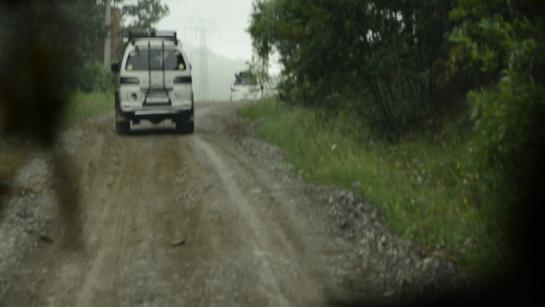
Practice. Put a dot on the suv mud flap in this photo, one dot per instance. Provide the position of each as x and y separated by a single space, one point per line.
120 115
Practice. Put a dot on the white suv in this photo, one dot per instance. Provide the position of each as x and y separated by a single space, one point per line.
155 83
245 87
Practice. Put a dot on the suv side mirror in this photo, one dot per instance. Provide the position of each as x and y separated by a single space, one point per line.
115 68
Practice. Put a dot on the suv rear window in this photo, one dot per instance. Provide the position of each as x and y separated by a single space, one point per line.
139 58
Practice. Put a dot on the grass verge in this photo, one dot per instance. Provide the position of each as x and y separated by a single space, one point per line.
83 106
424 187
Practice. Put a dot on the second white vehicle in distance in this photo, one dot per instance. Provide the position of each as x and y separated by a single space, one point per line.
245 87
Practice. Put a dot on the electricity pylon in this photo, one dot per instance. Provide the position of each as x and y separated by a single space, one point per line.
202 28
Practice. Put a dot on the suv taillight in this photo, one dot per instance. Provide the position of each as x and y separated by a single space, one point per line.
179 80
129 80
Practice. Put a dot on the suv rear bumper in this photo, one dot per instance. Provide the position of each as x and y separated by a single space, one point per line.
122 116
153 113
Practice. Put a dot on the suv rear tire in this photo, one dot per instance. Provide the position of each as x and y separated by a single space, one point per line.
189 127
185 122
183 125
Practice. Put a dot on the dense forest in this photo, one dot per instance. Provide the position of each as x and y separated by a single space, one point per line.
406 69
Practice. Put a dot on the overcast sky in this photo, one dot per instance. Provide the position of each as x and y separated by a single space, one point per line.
227 20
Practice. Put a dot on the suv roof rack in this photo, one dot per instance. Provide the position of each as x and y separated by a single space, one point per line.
168 35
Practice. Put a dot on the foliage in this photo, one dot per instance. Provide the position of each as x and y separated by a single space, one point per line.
384 58
145 14
503 43
44 31
87 19
400 66
75 28
93 77
258 70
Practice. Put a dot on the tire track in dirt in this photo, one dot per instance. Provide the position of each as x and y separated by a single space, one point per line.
263 241
239 242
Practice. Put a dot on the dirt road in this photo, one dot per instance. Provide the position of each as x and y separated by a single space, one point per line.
178 220
210 219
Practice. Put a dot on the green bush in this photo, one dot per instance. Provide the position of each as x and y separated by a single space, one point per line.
503 43
92 76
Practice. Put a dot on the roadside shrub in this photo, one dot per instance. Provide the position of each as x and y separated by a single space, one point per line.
92 76
425 187
502 43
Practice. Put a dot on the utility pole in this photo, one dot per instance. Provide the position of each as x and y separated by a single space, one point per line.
202 27
108 39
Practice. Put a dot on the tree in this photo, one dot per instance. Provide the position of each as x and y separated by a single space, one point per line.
383 59
258 69
145 14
